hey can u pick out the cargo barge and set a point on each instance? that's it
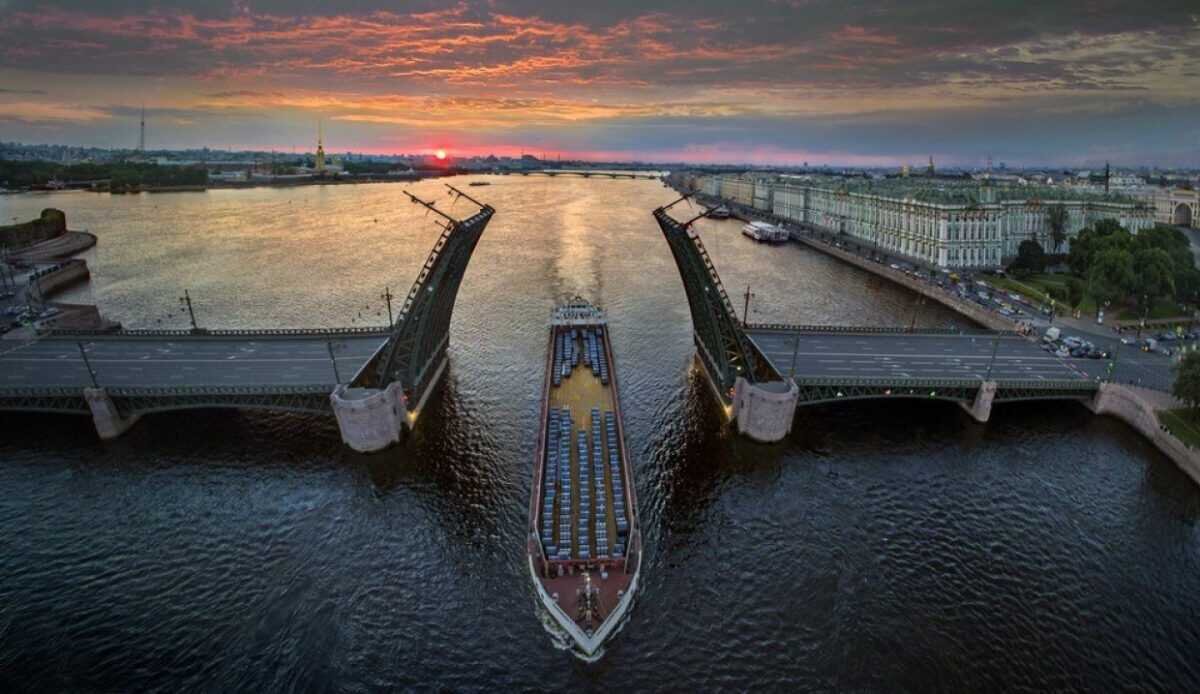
(584, 546)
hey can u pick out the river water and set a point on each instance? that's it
(883, 548)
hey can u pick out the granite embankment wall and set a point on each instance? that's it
(968, 309)
(51, 224)
(47, 281)
(1134, 406)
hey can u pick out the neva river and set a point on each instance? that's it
(885, 547)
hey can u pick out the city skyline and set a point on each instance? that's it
(768, 83)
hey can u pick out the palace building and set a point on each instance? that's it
(958, 224)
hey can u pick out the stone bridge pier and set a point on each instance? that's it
(981, 408)
(110, 423)
(764, 411)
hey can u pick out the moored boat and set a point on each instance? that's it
(765, 232)
(584, 545)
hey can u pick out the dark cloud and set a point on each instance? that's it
(652, 74)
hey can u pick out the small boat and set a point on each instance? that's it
(479, 183)
(765, 232)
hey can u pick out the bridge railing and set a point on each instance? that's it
(166, 391)
(381, 331)
(1002, 384)
(866, 329)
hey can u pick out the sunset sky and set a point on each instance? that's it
(762, 81)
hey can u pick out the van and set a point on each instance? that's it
(1052, 334)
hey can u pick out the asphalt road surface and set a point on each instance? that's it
(901, 356)
(184, 362)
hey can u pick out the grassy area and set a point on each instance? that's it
(1184, 424)
(1010, 284)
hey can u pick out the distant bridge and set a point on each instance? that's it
(375, 380)
(584, 173)
(761, 373)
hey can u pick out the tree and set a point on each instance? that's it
(1154, 273)
(1187, 380)
(1030, 259)
(1074, 291)
(1056, 218)
(1105, 235)
(1111, 277)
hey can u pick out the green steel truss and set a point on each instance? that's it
(131, 401)
(814, 391)
(422, 329)
(722, 344)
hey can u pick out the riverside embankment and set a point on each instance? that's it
(45, 246)
(822, 240)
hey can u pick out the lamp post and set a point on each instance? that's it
(992, 361)
(746, 307)
(337, 378)
(186, 300)
(795, 353)
(88, 364)
(387, 296)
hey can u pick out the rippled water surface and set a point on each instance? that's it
(883, 548)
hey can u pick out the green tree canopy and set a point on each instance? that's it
(1030, 258)
(1091, 242)
(1187, 379)
(1154, 273)
(1111, 277)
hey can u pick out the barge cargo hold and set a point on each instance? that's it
(584, 545)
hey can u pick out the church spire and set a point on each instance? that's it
(320, 163)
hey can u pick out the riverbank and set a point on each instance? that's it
(1143, 410)
(47, 254)
(823, 240)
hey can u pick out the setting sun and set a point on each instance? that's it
(440, 154)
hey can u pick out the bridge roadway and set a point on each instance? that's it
(918, 356)
(186, 361)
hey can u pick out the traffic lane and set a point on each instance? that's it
(916, 356)
(54, 363)
(904, 344)
(190, 349)
(1014, 368)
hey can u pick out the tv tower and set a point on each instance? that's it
(142, 132)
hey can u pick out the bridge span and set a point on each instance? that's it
(581, 173)
(762, 373)
(374, 380)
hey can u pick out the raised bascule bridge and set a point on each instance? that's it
(374, 380)
(762, 373)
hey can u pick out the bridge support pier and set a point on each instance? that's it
(981, 409)
(109, 421)
(370, 419)
(764, 411)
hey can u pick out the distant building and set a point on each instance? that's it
(319, 166)
(951, 226)
(1178, 206)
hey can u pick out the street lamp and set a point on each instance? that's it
(387, 296)
(992, 361)
(88, 365)
(337, 378)
(186, 300)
